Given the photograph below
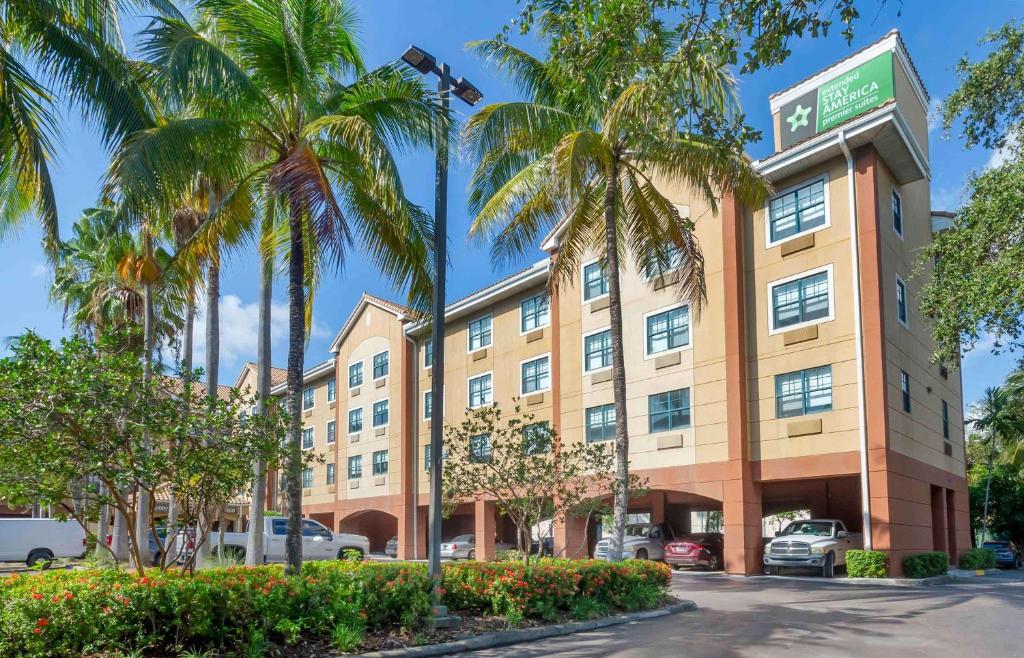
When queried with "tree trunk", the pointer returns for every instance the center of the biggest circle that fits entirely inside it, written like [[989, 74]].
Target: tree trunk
[[212, 366], [102, 531], [988, 487], [188, 336], [142, 519], [296, 344], [254, 545], [119, 541], [621, 492]]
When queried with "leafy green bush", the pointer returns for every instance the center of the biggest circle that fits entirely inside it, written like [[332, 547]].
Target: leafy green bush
[[866, 564], [253, 609], [978, 558], [926, 565]]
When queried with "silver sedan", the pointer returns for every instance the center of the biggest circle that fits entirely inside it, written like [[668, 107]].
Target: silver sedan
[[463, 547]]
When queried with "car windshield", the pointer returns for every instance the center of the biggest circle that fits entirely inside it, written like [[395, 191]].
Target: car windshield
[[463, 539], [637, 530], [995, 544], [809, 529]]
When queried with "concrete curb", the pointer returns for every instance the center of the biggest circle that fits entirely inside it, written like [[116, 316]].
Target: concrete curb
[[504, 638], [971, 573], [884, 582]]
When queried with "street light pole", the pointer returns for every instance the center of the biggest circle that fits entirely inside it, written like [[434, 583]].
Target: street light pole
[[426, 63]]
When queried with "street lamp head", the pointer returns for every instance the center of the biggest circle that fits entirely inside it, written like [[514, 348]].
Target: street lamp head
[[420, 60], [465, 90]]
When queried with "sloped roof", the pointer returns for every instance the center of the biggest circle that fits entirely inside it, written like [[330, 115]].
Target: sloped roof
[[177, 387], [365, 300], [277, 375]]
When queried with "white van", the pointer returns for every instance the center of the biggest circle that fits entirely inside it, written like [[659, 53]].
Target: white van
[[40, 540]]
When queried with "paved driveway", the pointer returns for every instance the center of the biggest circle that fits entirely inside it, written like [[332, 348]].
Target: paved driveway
[[766, 617]]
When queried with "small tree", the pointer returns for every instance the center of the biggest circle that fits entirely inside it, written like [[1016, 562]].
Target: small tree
[[523, 466], [80, 427]]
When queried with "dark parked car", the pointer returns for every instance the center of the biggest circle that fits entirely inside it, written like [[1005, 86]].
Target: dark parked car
[[391, 548], [698, 550], [1007, 553]]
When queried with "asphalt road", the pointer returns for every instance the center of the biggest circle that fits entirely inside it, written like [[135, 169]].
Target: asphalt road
[[809, 618]]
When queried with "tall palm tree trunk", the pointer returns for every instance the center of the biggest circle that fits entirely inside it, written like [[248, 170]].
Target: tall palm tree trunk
[[254, 545], [296, 340], [621, 494], [212, 367], [187, 340], [988, 487], [142, 513]]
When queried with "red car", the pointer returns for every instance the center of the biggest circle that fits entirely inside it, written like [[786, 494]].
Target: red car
[[700, 550]]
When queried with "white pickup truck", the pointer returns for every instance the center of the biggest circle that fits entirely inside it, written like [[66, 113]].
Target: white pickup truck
[[811, 543], [318, 542]]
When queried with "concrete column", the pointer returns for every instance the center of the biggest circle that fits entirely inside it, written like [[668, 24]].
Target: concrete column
[[951, 543], [938, 495], [657, 506], [741, 510], [570, 538], [484, 513]]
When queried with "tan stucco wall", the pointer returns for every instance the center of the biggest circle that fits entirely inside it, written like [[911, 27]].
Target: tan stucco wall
[[317, 418]]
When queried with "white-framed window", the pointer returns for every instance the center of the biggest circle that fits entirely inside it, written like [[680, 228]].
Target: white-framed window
[[428, 404], [380, 462], [479, 333], [668, 411], [355, 467], [595, 281], [480, 392], [307, 438], [534, 313], [537, 438], [654, 266], [803, 392], [428, 353], [905, 390], [332, 434], [380, 364], [801, 300], [308, 398], [381, 412], [307, 478], [535, 375], [600, 423], [355, 374], [597, 350], [355, 420], [797, 210], [666, 330], [897, 213], [480, 448], [330, 474], [332, 389], [902, 310]]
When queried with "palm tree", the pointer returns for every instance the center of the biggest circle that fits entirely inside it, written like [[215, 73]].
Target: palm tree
[[999, 421], [583, 151], [264, 104]]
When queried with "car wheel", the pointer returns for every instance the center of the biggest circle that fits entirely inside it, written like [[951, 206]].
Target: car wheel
[[40, 555], [471, 555], [714, 564], [641, 554], [828, 569]]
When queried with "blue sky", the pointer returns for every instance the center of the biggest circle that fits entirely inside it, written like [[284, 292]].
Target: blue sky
[[937, 34]]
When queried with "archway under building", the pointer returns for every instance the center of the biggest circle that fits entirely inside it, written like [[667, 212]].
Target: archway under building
[[375, 525]]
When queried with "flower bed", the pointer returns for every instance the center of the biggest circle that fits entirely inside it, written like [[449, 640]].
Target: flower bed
[[247, 610]]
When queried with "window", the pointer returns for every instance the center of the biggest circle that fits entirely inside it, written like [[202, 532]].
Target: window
[[945, 420], [355, 375], [802, 300], [332, 389], [597, 351], [426, 456], [355, 420], [355, 467], [535, 375], [480, 333], [897, 213], [668, 330], [668, 411], [600, 423], [901, 301], [380, 413], [595, 281], [307, 398], [533, 313], [947, 448], [536, 438], [673, 258], [797, 211], [307, 478], [803, 392], [380, 462], [480, 391], [279, 526], [330, 474], [905, 390], [331, 433], [480, 448], [380, 365], [428, 353], [307, 438], [428, 404]]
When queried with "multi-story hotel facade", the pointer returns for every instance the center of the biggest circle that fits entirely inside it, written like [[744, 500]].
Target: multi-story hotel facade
[[805, 382]]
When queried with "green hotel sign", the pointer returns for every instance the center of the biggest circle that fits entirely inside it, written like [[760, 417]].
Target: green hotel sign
[[837, 100]]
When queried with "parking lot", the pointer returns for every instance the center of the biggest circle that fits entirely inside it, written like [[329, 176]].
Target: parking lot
[[812, 617]]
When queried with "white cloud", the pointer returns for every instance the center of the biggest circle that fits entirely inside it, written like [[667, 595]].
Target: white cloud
[[39, 270], [1001, 155], [934, 114]]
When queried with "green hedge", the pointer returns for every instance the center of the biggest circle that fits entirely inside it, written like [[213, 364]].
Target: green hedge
[[866, 564], [250, 610], [978, 558], [926, 565]]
